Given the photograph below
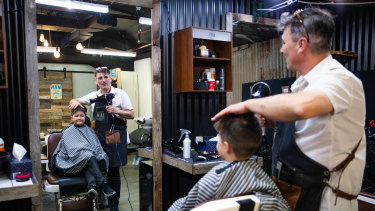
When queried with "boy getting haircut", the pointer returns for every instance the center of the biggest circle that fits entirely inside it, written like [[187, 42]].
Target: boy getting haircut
[[242, 132], [239, 138]]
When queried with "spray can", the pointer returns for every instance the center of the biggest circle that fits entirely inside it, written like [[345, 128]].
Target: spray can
[[1, 144], [222, 78], [186, 147]]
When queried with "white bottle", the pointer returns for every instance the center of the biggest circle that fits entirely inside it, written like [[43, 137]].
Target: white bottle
[[187, 147]]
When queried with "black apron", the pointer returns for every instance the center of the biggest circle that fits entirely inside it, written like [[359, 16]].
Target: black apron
[[117, 153], [291, 165]]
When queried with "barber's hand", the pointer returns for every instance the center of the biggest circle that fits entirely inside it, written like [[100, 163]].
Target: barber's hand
[[238, 108], [111, 109], [74, 104]]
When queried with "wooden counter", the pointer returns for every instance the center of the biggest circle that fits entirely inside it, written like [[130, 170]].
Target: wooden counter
[[182, 164], [20, 192]]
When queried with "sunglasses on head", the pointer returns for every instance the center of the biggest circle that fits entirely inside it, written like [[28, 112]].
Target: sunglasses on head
[[297, 14]]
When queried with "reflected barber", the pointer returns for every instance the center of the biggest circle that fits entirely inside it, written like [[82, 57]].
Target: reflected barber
[[112, 106]]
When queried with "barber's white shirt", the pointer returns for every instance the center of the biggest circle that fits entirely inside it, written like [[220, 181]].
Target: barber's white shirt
[[120, 101], [329, 138]]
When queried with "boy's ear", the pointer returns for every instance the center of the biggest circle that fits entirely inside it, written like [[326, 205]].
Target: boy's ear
[[227, 147]]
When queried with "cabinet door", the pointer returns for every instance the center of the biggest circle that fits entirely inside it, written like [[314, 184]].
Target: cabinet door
[[3, 60]]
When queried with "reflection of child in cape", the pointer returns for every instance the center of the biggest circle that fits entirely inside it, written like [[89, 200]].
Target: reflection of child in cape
[[79, 152]]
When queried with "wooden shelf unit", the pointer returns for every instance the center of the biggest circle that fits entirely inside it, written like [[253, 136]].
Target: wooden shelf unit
[[3, 56], [187, 65]]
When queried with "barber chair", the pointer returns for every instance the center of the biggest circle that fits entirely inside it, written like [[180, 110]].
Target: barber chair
[[70, 192]]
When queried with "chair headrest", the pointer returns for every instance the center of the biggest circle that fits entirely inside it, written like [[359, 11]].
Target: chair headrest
[[52, 142]]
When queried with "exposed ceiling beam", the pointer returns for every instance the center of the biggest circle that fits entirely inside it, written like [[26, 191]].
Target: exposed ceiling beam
[[137, 3]]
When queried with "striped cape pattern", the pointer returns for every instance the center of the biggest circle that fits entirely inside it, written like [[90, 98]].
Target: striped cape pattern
[[231, 179], [76, 147]]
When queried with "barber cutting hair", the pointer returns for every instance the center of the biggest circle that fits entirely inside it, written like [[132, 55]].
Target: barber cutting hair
[[319, 149], [112, 107]]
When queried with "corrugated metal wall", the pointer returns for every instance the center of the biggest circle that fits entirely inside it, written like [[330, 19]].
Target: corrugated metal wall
[[194, 110], [13, 100], [355, 32], [191, 111], [260, 61]]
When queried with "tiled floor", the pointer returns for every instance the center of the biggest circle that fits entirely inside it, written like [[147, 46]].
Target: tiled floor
[[129, 184]]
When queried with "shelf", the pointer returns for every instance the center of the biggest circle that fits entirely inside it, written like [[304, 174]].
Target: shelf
[[206, 91], [188, 66], [20, 192], [210, 58]]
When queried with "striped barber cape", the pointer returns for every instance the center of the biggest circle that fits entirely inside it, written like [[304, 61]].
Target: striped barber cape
[[230, 179], [77, 145]]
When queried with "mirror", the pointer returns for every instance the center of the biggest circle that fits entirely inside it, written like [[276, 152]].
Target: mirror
[[72, 76]]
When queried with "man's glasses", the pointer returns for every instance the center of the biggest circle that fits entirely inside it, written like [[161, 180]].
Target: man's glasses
[[297, 14]]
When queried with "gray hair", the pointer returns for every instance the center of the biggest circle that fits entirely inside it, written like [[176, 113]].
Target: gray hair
[[316, 24], [101, 70]]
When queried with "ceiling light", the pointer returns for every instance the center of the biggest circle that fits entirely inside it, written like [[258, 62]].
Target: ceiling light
[[45, 43], [57, 54], [79, 46], [43, 49], [108, 52], [145, 21], [79, 5], [42, 38]]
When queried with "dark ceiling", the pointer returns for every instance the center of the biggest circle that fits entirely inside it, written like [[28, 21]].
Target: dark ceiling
[[119, 30]]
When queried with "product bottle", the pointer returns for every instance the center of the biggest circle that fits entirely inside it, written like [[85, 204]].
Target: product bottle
[[187, 147], [2, 145], [222, 78], [205, 81]]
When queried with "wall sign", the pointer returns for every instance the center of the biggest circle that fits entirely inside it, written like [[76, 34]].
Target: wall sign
[[56, 91]]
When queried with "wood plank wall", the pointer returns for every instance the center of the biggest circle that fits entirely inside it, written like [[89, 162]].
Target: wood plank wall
[[54, 114]]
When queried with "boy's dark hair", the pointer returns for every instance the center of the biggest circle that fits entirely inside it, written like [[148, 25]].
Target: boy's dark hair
[[79, 108], [241, 131], [101, 70]]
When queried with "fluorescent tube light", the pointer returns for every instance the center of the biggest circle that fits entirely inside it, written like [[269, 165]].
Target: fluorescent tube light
[[43, 49], [145, 21], [79, 5], [108, 52]]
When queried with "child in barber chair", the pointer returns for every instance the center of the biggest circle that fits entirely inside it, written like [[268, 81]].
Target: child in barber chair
[[79, 151], [239, 139]]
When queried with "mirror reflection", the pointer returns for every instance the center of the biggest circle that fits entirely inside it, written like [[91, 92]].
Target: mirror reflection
[[71, 44]]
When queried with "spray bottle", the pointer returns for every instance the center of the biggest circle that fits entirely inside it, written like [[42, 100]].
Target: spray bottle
[[1, 144], [186, 143]]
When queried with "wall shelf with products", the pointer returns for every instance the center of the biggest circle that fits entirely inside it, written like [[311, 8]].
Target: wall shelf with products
[[190, 62], [3, 56]]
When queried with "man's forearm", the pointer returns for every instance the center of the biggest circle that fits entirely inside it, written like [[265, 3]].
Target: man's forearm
[[128, 114]]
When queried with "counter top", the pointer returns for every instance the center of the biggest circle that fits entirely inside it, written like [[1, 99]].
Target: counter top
[[180, 163], [11, 190]]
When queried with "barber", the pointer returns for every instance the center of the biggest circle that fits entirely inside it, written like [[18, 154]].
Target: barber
[[107, 116], [321, 123]]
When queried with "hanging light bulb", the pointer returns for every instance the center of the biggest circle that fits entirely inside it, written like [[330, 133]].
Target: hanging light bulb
[[42, 38], [57, 54], [79, 46], [45, 43]]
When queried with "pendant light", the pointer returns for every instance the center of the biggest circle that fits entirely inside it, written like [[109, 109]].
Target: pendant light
[[79, 45], [57, 54], [42, 38]]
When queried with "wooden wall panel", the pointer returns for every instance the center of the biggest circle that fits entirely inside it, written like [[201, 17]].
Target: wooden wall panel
[[54, 113]]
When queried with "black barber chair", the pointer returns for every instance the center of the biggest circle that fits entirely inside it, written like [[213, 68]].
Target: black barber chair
[[70, 192]]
